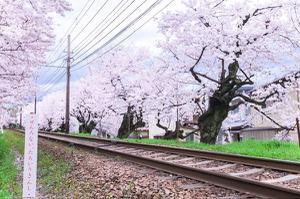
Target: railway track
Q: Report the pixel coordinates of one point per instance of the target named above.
(256, 176)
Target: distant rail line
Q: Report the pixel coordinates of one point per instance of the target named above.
(236, 172)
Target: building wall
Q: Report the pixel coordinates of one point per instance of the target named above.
(292, 110)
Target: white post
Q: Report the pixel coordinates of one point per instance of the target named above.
(30, 157)
(1, 123)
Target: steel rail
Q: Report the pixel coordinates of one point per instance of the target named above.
(281, 165)
(223, 180)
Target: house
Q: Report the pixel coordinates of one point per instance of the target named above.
(269, 122)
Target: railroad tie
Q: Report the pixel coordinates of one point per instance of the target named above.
(198, 163)
(181, 160)
(192, 186)
(248, 172)
(220, 167)
(165, 178)
(156, 155)
(169, 157)
(112, 147)
(129, 150)
(282, 179)
(135, 151)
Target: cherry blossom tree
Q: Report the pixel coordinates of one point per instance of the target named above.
(111, 98)
(225, 45)
(126, 69)
(26, 31)
(91, 99)
(170, 97)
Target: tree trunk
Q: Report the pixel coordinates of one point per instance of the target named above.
(87, 127)
(169, 134)
(127, 125)
(211, 121)
(125, 128)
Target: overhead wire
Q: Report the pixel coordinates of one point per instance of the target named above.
(98, 11)
(51, 86)
(54, 79)
(58, 46)
(72, 27)
(95, 37)
(101, 23)
(124, 39)
(53, 75)
(120, 32)
(77, 19)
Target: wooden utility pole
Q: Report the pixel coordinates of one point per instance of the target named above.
(35, 103)
(298, 130)
(21, 118)
(67, 117)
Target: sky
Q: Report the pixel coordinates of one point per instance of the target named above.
(91, 24)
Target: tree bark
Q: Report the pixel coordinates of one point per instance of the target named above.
(87, 127)
(169, 134)
(128, 125)
(219, 105)
(211, 121)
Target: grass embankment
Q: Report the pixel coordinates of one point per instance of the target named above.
(259, 148)
(8, 170)
(51, 171)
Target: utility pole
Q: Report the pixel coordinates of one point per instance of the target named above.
(67, 117)
(298, 130)
(21, 118)
(35, 103)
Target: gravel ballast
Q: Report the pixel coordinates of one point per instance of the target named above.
(94, 175)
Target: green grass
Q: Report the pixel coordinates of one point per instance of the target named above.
(82, 134)
(259, 148)
(8, 170)
(51, 171)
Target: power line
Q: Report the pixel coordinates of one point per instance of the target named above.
(53, 79)
(127, 37)
(48, 88)
(123, 30)
(95, 37)
(54, 61)
(71, 28)
(52, 75)
(101, 22)
(98, 11)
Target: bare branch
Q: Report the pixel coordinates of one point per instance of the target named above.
(188, 134)
(253, 101)
(161, 126)
(219, 3)
(209, 78)
(174, 54)
(222, 77)
(233, 107)
(197, 62)
(272, 120)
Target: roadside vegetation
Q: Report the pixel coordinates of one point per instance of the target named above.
(8, 169)
(51, 171)
(259, 148)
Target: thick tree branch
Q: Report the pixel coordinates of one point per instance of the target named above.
(272, 120)
(253, 101)
(161, 126)
(209, 78)
(188, 134)
(192, 69)
(233, 107)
